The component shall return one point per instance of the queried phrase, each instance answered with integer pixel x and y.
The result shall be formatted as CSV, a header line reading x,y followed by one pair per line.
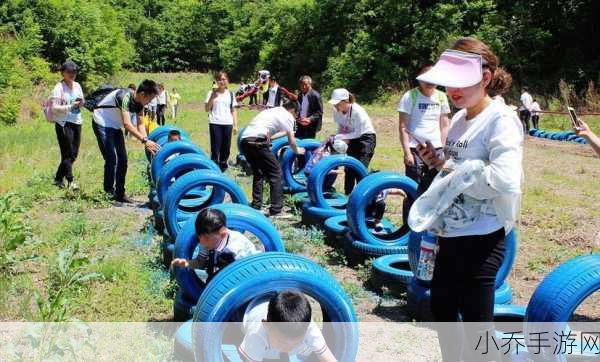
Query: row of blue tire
x,y
182,182
568,136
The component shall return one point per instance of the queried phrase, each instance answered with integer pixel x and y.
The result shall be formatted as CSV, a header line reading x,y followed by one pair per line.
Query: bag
x,y
92,100
48,105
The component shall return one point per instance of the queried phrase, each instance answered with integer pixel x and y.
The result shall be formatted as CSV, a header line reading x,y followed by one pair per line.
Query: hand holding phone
x,y
575,123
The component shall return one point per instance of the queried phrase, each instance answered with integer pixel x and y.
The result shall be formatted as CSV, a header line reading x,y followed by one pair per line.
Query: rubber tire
x,y
334,199
177,168
509,313
320,171
335,228
277,145
240,218
164,139
183,349
357,252
385,274
264,274
164,130
366,191
564,289
315,216
191,180
171,148
287,163
418,300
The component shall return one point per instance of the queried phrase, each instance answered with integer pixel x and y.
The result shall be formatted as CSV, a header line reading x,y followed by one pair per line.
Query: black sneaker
x,y
59,183
124,199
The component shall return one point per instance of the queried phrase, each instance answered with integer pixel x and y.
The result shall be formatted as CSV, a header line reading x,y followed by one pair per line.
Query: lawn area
x,y
78,256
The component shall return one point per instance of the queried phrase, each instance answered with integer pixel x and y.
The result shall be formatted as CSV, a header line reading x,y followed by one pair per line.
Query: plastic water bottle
x,y
427,257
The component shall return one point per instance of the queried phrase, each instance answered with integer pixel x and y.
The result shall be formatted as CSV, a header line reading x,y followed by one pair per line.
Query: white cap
x,y
338,95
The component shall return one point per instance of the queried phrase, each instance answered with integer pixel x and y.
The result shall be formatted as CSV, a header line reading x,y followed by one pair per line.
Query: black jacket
x,y
315,110
279,97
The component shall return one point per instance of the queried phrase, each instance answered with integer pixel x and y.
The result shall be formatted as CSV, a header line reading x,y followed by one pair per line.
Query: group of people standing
x,y
157,108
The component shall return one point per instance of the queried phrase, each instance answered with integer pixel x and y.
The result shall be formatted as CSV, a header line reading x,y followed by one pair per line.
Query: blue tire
x,y
260,276
241,218
178,167
221,185
178,147
357,252
509,313
291,181
315,216
164,130
393,270
365,192
334,199
564,289
163,140
277,145
320,171
532,131
336,228
182,307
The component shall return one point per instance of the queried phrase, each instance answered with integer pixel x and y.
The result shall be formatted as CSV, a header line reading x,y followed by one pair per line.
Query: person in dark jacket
x,y
311,109
275,95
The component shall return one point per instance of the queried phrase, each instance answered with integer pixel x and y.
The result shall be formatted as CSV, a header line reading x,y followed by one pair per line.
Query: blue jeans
x,y
112,146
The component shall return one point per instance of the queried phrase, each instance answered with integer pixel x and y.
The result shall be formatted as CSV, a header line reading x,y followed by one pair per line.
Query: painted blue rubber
x,y
334,199
564,289
358,252
277,145
509,313
241,218
290,179
393,269
260,276
164,130
315,216
365,192
171,148
182,307
533,131
221,185
418,302
164,139
178,167
320,171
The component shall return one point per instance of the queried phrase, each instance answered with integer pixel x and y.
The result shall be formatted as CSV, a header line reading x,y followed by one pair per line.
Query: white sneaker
x,y
72,186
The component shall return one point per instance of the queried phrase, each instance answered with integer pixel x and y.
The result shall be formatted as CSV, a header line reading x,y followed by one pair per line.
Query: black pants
x,y
361,148
160,114
463,282
303,132
253,98
69,139
264,165
525,115
220,144
111,142
536,121
422,175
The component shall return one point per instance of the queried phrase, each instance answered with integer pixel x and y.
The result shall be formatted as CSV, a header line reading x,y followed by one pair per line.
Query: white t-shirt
x,y
526,100
535,109
256,347
496,137
162,97
236,243
269,122
221,109
272,96
153,102
112,117
424,116
355,123
499,98
62,95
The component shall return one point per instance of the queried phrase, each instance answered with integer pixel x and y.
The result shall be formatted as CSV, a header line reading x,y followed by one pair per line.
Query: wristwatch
x,y
144,140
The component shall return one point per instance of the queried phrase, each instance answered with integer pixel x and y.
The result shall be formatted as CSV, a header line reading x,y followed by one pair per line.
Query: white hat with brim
x,y
338,95
455,69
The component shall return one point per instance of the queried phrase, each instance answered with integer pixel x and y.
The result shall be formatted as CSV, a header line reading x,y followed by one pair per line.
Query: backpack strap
x,y
230,101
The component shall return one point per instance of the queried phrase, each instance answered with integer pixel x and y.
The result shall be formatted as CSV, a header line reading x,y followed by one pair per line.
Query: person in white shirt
x,y
67,100
222,119
535,114
111,114
256,146
525,113
282,324
423,114
356,129
472,247
152,108
274,96
161,105
220,245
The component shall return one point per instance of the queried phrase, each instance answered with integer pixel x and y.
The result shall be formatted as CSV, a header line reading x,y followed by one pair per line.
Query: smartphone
x,y
573,115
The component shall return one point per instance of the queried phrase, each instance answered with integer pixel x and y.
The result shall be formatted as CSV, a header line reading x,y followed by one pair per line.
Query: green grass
x,y
560,216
